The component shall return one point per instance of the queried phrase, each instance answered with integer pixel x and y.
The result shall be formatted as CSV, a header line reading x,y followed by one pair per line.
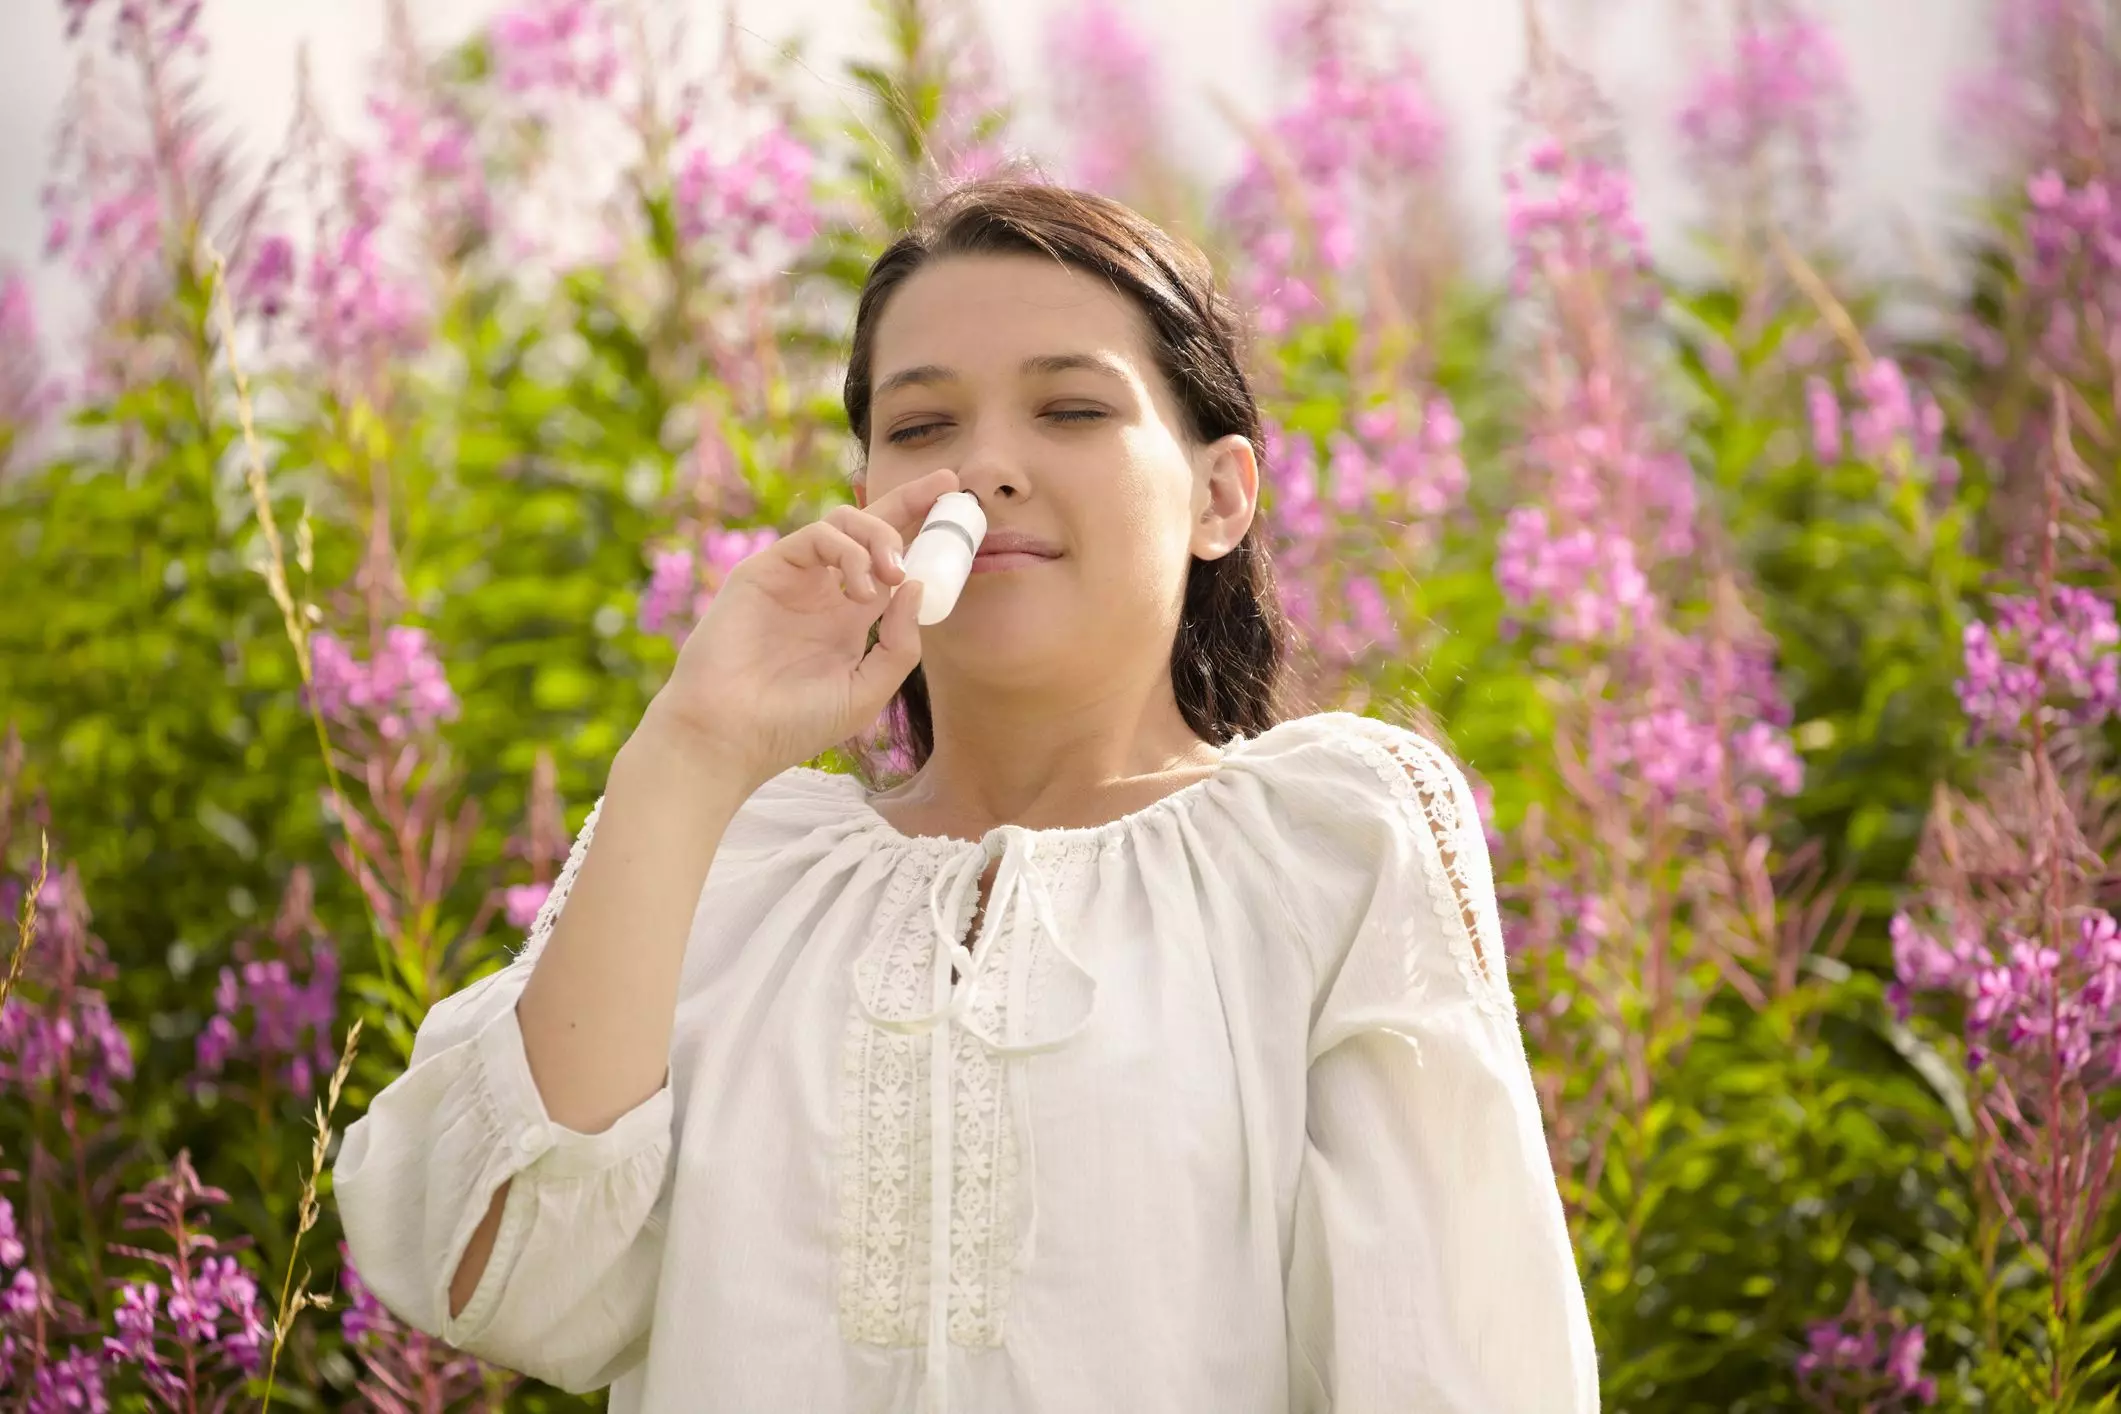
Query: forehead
x,y
982,312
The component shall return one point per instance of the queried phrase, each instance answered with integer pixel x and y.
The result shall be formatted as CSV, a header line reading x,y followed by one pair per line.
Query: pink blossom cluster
x,y
212,1310
1886,414
1611,500
2037,1003
1387,468
57,1037
1108,90
72,1381
1344,622
2066,223
357,312
139,173
2072,263
265,277
1300,513
968,139
764,190
1692,729
200,1328
1785,86
1587,577
400,692
428,149
1607,505
2058,661
1872,1365
27,393
1355,131
557,47
1579,918
1417,469
401,1367
265,1015
683,581
107,222
1569,215
2041,57
77,1044
69,1383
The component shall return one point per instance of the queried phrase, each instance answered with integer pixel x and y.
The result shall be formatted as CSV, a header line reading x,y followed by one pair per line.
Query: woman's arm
x,y
597,1012
1431,1265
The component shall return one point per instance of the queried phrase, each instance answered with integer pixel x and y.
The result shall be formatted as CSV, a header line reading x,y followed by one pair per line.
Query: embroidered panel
x,y
885,1164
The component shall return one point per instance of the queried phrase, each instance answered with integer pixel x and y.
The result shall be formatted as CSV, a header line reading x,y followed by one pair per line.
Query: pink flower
x,y
11,1249
401,691
1589,579
670,589
27,394
1359,130
683,581
1108,89
555,48
1786,88
268,276
521,902
762,191
2059,662
1825,412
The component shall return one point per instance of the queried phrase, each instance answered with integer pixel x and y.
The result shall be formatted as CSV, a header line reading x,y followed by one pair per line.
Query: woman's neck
x,y
1048,765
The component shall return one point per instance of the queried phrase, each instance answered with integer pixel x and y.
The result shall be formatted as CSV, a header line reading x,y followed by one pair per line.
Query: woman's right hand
x,y
780,667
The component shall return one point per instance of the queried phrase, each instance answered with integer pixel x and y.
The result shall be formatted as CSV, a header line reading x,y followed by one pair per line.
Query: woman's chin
x,y
989,631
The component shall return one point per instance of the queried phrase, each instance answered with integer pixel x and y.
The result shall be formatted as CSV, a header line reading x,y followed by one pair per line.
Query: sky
x,y
1905,179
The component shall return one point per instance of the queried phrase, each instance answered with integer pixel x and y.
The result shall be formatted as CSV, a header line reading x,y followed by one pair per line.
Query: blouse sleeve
x,y
1431,1270
569,1290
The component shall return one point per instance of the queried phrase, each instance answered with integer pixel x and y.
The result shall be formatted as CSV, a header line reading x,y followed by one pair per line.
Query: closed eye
x,y
906,435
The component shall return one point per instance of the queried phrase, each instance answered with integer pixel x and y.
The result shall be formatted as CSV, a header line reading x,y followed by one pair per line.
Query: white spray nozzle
x,y
941,556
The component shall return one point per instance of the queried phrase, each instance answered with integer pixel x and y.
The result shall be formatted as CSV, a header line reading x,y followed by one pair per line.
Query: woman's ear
x,y
1225,495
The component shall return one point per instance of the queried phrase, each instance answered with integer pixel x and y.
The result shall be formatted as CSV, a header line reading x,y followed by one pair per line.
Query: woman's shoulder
x,y
1343,758
799,802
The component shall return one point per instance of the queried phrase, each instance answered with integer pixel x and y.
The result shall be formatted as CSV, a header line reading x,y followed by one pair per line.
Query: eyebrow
x,y
929,374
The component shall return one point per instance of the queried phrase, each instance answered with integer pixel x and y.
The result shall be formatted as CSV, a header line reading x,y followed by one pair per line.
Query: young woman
x,y
1143,1051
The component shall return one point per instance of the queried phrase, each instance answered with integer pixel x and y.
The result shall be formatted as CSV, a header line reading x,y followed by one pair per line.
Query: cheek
x,y
1141,539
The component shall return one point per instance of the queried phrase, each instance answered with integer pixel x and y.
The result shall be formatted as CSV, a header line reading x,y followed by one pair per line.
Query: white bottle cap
x,y
960,508
941,555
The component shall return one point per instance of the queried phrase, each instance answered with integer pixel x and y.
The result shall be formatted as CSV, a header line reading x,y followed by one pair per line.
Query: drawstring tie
x,y
1018,882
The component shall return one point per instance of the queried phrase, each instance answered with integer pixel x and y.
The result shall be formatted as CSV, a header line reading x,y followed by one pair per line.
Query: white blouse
x,y
1230,1111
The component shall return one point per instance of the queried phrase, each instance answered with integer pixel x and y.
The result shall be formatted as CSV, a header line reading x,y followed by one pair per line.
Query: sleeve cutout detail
x,y
1438,808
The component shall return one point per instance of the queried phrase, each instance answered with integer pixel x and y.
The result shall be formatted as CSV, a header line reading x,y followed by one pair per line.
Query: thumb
x,y
897,652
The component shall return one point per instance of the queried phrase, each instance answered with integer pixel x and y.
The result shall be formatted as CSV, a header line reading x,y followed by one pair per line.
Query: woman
x,y
1142,1051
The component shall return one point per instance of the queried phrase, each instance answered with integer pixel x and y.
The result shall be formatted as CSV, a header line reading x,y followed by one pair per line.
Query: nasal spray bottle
x,y
941,555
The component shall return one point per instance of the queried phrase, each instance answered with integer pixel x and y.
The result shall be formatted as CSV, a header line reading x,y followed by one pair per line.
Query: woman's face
x,y
1035,383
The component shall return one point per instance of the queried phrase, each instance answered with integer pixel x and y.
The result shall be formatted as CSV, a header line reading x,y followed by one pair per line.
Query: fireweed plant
x,y
362,515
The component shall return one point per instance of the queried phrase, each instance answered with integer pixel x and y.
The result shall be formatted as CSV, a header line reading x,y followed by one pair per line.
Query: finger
x,y
887,548
907,506
823,545
883,670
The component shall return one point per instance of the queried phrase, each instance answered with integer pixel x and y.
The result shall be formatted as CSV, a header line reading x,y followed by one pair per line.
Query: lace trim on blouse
x,y
556,899
1445,822
885,1167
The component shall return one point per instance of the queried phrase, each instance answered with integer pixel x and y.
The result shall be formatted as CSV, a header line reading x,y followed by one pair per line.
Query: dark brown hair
x,y
1229,659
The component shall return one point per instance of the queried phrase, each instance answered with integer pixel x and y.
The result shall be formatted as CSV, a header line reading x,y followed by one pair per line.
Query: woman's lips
x,y
998,561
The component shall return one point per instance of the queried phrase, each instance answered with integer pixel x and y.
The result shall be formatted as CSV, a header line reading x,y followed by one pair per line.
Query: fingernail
x,y
898,562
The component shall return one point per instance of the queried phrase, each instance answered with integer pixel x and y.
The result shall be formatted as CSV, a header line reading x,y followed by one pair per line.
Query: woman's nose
x,y
991,473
